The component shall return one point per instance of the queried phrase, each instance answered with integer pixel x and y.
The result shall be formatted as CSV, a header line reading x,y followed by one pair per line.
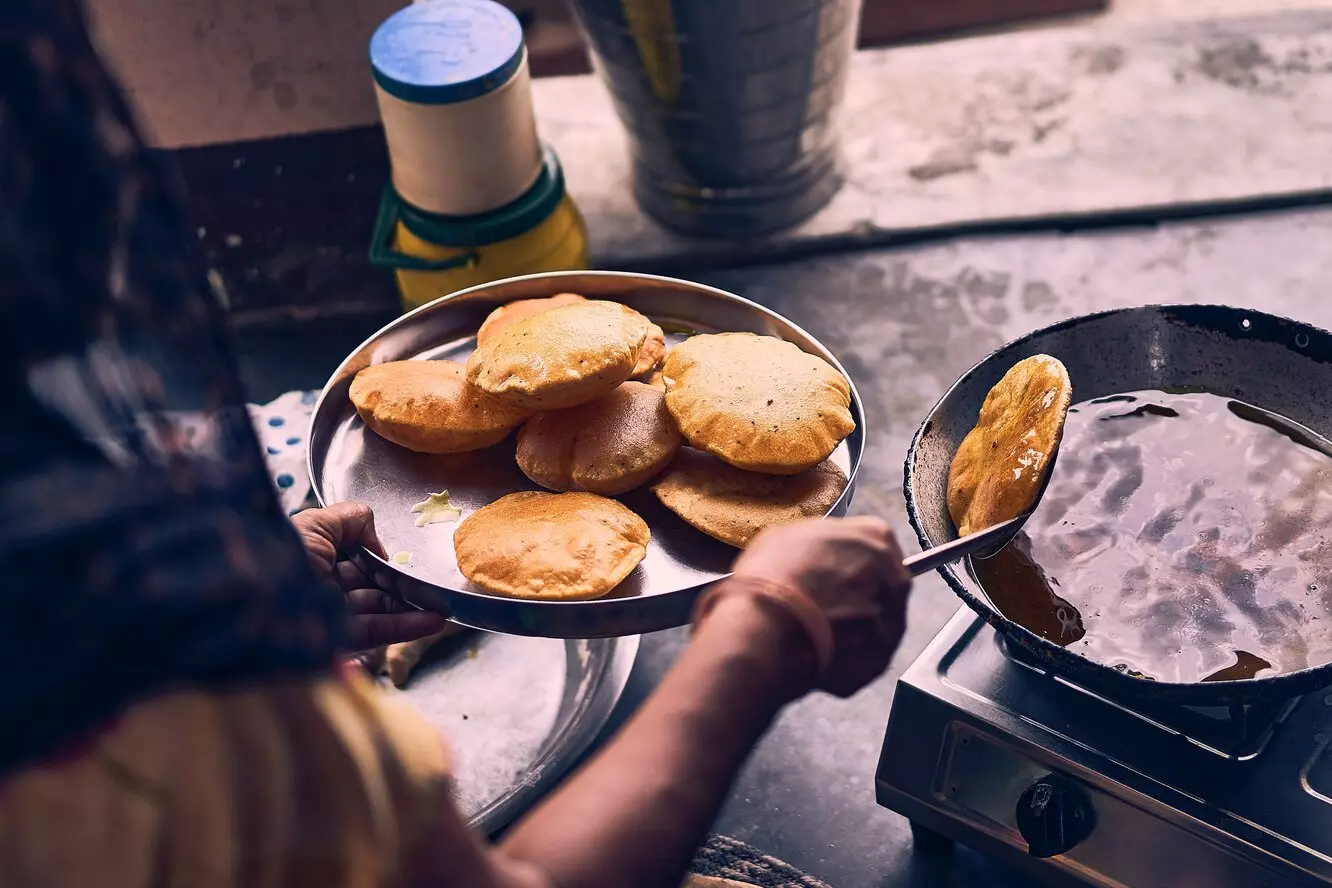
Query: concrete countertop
x,y
1053,126
906,323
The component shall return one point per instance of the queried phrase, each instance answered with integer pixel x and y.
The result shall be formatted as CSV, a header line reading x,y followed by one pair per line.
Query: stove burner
x,y
1239,732
1075,789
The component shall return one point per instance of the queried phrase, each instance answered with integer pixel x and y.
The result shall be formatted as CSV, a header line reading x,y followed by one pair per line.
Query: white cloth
x,y
283,426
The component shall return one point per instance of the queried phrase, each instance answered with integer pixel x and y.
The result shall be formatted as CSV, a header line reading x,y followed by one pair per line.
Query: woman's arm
x,y
636,813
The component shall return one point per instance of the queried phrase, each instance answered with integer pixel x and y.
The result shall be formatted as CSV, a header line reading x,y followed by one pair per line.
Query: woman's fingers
x,y
349,577
375,630
378,618
373,601
328,531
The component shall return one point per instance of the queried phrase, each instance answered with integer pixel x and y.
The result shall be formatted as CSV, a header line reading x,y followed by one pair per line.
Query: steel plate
x,y
348,462
517,713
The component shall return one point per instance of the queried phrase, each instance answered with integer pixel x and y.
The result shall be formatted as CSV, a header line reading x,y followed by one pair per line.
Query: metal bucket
x,y
729,106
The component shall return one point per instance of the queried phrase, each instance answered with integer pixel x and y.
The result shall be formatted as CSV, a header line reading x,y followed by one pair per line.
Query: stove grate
x,y
1239,732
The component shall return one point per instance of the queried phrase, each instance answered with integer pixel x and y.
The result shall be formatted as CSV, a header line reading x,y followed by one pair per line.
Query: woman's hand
x,y
377,618
637,812
851,569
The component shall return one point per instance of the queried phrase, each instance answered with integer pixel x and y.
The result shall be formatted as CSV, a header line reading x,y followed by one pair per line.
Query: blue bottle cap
x,y
444,51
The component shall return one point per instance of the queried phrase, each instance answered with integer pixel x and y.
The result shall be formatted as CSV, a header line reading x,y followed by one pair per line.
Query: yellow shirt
x,y
315,782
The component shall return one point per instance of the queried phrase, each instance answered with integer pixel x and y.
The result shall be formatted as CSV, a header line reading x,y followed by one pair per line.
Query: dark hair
x,y
135,554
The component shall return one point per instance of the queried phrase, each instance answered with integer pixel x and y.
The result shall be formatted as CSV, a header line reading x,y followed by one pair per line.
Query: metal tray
x,y
349,462
517,713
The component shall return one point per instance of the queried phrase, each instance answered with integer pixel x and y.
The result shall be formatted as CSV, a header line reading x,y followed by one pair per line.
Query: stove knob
x,y
1054,815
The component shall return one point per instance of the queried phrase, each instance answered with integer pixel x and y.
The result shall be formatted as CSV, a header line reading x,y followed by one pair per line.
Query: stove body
x,y
1074,789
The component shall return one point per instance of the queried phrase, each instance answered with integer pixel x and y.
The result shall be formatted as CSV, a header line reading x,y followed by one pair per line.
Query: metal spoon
x,y
994,537
983,543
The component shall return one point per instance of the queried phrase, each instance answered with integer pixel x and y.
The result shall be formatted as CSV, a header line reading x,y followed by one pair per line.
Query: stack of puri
x,y
762,419
733,432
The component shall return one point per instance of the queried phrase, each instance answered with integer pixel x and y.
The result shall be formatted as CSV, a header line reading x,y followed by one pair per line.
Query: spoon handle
x,y
956,550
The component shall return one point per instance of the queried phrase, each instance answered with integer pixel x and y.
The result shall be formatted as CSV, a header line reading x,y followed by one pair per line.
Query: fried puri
x,y
654,350
733,505
430,407
757,402
514,311
608,446
550,546
561,357
649,357
1000,467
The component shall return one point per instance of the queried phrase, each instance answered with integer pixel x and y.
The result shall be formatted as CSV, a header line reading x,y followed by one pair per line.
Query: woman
x,y
176,713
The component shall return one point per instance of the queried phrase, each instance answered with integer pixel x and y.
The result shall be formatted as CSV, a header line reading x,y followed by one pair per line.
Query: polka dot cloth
x,y
282,425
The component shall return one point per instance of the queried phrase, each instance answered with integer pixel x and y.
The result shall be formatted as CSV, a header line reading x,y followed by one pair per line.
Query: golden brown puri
x,y
522,308
733,505
649,357
653,351
550,546
1000,466
430,407
608,446
758,402
561,357
656,380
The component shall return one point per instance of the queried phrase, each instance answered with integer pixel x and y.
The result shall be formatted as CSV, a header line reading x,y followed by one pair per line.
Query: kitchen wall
x,y
208,71
268,111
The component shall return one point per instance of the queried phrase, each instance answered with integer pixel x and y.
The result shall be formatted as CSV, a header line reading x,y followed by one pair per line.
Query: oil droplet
x,y
436,509
402,557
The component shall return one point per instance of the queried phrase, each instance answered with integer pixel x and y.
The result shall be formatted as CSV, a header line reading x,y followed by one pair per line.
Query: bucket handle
x,y
384,255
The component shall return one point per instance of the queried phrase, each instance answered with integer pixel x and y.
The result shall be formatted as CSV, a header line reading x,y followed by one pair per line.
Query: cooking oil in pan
x,y
1183,537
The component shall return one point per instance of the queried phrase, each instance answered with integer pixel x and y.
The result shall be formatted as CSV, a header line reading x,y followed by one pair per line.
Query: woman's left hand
x,y
377,618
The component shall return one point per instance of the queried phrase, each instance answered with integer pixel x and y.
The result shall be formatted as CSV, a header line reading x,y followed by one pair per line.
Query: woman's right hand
x,y
830,593
852,570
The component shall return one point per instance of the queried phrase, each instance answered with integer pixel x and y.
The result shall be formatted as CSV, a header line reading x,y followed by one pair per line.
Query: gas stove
x,y
1072,788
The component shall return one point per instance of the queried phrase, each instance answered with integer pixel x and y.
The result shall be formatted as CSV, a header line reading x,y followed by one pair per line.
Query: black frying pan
x,y
1278,364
